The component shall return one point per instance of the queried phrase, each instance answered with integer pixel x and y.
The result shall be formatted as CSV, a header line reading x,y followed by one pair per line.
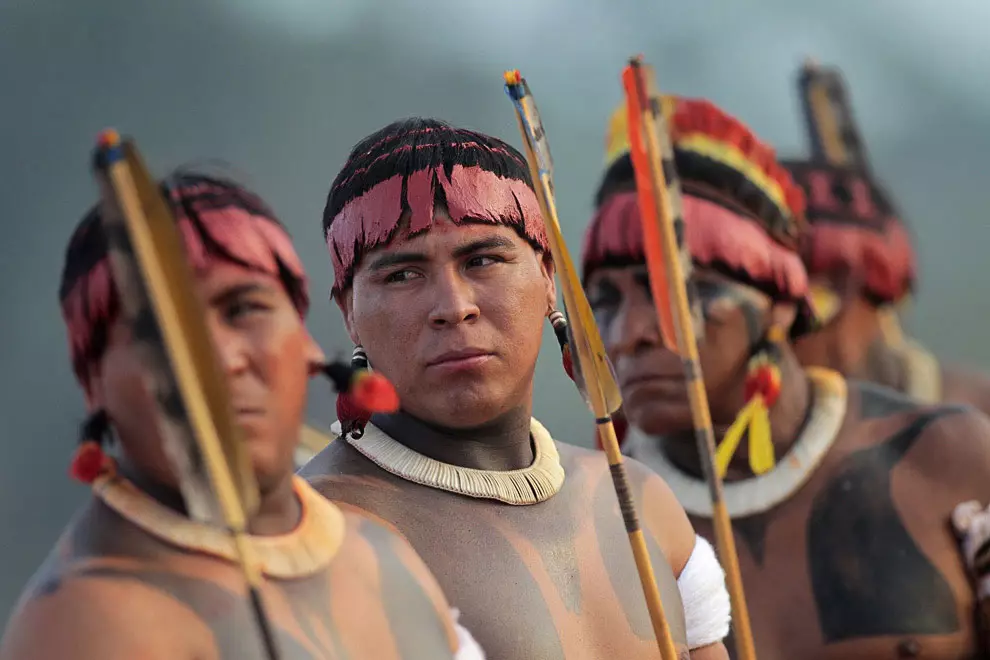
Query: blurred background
x,y
283,88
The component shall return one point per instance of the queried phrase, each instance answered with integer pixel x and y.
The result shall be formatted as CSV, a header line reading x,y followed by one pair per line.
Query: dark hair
x,y
410,145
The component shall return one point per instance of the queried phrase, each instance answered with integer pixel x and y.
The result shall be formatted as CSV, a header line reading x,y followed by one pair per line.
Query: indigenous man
x,y
444,278
861,262
842,510
132,577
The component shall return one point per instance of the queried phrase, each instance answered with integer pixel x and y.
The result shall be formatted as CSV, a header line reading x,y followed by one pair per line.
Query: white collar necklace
x,y
758,494
307,549
530,485
923,375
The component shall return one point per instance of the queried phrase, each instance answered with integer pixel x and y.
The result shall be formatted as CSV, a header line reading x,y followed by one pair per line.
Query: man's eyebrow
x,y
233,292
490,243
396,258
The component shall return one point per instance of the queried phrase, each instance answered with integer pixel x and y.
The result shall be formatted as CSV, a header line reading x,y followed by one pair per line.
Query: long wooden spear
x,y
668,260
168,324
592,370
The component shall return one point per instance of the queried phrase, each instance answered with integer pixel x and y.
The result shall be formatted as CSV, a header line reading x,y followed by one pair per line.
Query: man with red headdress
x,y
840,491
444,278
133,577
861,262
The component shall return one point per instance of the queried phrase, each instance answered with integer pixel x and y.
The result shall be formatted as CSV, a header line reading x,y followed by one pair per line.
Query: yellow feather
x,y
761,458
730,443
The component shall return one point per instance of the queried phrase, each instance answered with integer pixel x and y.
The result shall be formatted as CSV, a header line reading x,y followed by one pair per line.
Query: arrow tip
x,y
512,77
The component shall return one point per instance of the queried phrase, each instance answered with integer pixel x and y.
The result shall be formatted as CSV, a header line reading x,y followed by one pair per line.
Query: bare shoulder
x,y
955,449
341,474
64,616
949,444
327,462
660,513
966,386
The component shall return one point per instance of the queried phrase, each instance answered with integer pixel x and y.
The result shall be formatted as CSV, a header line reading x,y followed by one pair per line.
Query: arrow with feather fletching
x,y
158,300
593,372
668,261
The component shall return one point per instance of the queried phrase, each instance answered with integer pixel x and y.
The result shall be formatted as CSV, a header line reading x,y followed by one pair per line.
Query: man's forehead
x,y
444,236
221,274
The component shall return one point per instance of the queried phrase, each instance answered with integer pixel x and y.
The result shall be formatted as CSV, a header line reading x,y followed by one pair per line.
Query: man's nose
x,y
454,301
635,328
231,346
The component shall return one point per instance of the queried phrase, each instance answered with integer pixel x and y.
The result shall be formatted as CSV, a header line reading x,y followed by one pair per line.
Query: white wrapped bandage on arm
x,y
707,611
467,647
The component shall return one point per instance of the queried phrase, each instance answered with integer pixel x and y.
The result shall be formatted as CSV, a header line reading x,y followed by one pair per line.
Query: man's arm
x,y
91,619
715,651
963,440
699,576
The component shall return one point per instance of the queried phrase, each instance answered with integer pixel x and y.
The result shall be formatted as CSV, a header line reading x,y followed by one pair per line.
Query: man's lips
x,y
461,359
652,380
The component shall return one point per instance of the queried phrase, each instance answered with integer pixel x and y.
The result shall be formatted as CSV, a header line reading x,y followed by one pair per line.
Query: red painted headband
x,y
470,194
716,236
854,228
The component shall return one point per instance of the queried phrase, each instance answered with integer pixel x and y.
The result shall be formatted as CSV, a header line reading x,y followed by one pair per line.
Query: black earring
x,y
559,323
359,359
95,428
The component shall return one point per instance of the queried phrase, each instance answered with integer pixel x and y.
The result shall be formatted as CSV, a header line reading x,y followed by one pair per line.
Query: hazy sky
x,y
283,88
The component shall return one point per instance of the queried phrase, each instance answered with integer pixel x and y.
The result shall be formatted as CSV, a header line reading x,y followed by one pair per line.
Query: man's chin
x,y
661,419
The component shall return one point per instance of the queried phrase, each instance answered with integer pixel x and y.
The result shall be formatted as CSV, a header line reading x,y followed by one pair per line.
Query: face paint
x,y
718,298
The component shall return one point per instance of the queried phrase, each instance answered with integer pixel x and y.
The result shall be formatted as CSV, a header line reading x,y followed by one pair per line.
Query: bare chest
x,y
827,577
550,580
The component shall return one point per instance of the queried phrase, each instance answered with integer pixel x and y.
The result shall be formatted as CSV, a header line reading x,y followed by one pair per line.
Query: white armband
x,y
467,647
707,610
971,522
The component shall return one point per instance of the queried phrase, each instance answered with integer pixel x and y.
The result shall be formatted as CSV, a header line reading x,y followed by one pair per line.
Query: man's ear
x,y
345,301
548,270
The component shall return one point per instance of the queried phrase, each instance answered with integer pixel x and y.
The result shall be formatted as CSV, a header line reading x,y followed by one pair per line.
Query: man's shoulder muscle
x,y
966,386
97,619
955,449
661,515
949,443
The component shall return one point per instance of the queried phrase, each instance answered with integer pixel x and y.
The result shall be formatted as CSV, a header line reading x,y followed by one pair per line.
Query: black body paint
x,y
868,575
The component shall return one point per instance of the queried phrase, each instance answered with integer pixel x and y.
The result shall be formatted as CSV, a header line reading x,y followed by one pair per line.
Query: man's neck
x,y
499,445
787,419
860,348
884,365
279,511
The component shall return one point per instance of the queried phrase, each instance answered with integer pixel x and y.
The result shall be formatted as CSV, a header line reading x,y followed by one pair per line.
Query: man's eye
x,y
708,289
602,298
400,276
244,308
483,260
